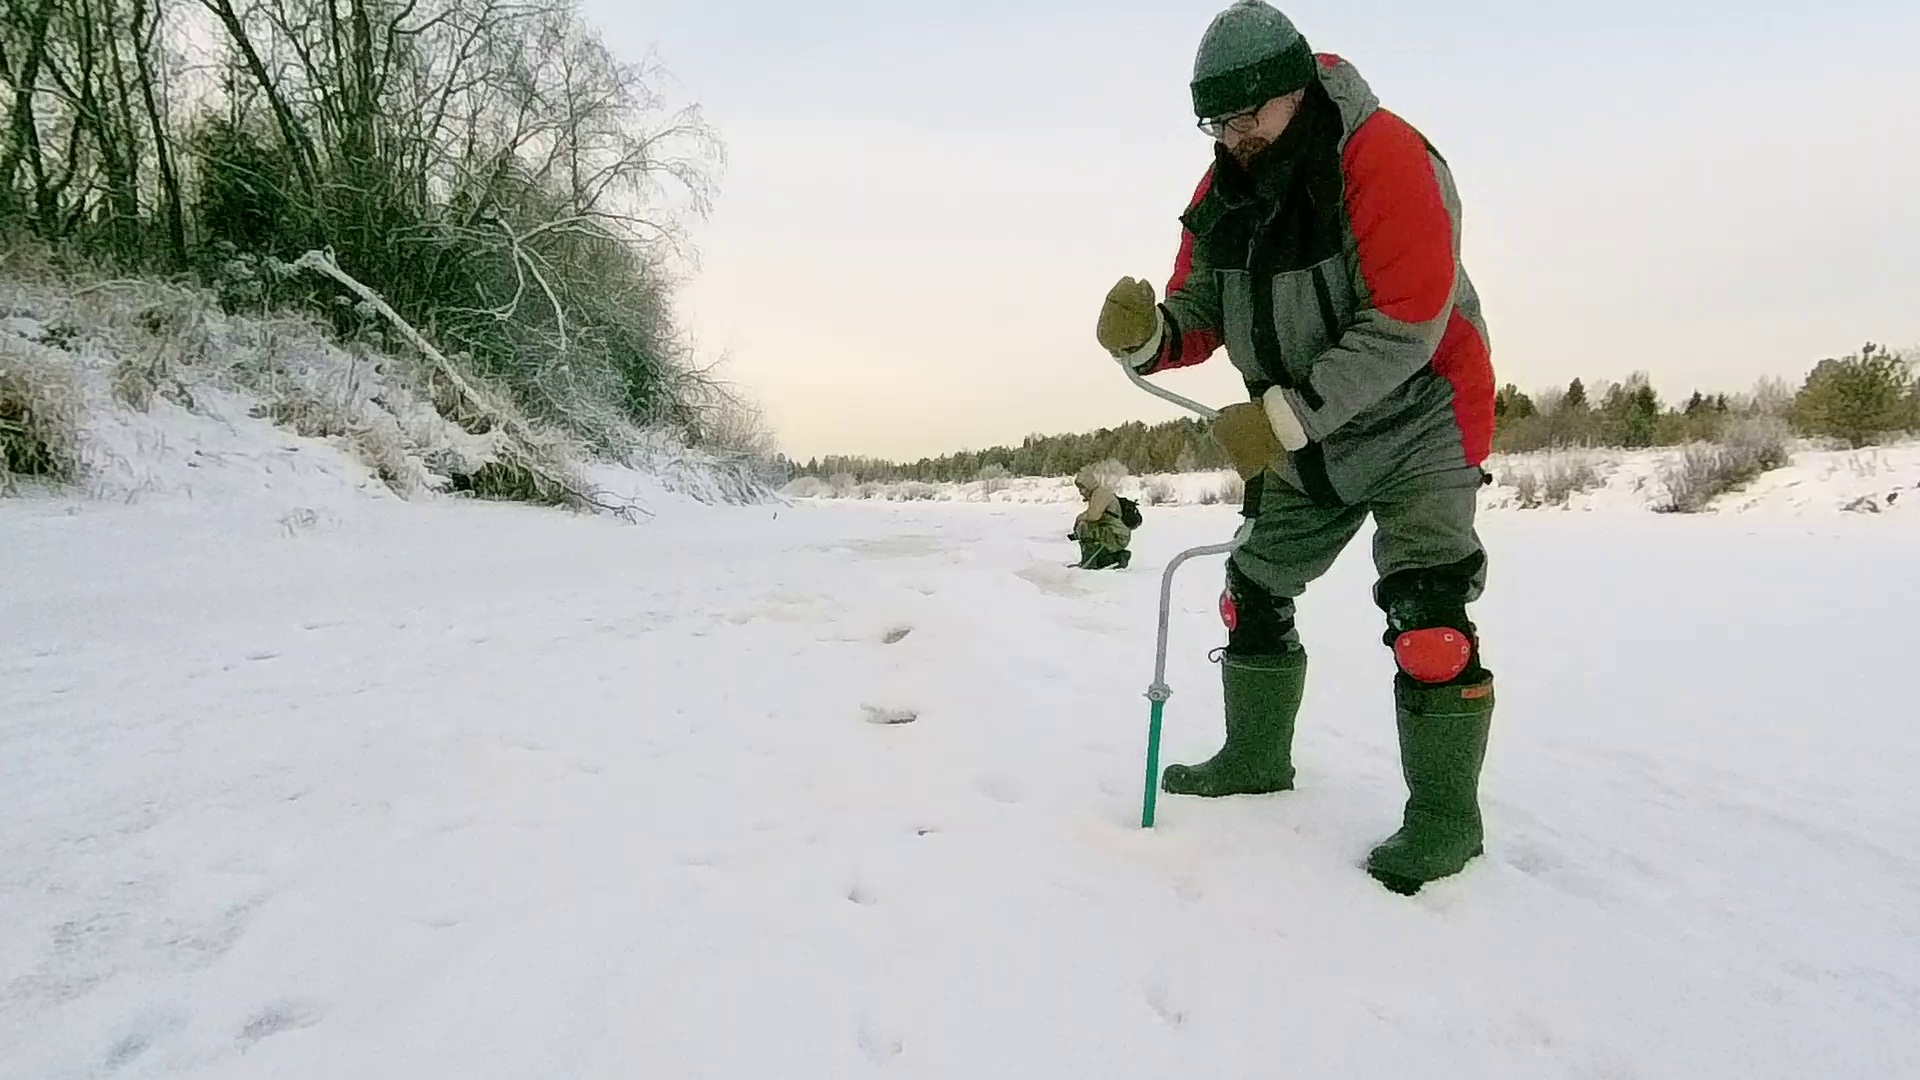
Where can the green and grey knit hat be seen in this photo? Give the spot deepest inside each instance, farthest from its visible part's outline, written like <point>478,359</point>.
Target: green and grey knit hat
<point>1250,55</point>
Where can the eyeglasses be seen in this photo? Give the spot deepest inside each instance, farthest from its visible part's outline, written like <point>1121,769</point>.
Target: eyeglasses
<point>1240,122</point>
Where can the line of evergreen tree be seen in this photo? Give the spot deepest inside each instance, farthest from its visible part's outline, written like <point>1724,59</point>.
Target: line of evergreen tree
<point>1858,399</point>
<point>1174,446</point>
<point>1865,397</point>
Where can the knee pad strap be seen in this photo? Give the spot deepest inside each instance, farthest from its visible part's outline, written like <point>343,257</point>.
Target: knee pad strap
<point>1258,624</point>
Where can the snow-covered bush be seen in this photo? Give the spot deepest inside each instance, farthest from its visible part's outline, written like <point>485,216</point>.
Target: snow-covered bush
<point>1550,478</point>
<point>993,479</point>
<point>700,472</point>
<point>39,414</point>
<point>809,487</point>
<point>1703,472</point>
<point>1231,490</point>
<point>1764,441</point>
<point>1567,475</point>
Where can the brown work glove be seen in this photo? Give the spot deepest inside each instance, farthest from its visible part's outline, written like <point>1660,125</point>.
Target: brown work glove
<point>1128,318</point>
<point>1243,432</point>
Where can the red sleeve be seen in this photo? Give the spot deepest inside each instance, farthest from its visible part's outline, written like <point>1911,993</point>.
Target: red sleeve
<point>1186,347</point>
<point>1183,262</point>
<point>1399,219</point>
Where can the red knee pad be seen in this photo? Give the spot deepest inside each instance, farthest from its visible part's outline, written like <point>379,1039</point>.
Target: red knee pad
<point>1229,614</point>
<point>1434,655</point>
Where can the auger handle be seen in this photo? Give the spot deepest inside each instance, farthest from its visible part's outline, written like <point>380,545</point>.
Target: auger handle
<point>1164,394</point>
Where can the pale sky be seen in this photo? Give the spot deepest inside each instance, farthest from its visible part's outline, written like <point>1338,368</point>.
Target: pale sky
<point>924,204</point>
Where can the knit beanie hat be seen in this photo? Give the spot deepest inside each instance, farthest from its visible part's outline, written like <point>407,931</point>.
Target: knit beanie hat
<point>1250,54</point>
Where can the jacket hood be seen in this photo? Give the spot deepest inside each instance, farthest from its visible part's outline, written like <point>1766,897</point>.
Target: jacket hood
<point>1349,91</point>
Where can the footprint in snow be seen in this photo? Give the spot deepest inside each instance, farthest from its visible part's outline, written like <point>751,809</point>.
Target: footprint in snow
<point>1162,1004</point>
<point>127,1049</point>
<point>281,1016</point>
<point>1534,859</point>
<point>1550,868</point>
<point>890,715</point>
<point>140,1039</point>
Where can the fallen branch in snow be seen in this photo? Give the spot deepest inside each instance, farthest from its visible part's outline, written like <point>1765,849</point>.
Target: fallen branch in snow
<point>322,262</point>
<point>531,465</point>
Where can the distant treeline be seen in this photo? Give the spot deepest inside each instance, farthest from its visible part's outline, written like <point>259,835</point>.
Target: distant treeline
<point>1859,399</point>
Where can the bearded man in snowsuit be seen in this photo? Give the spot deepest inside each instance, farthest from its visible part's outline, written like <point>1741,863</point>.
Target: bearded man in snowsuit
<point>1322,249</point>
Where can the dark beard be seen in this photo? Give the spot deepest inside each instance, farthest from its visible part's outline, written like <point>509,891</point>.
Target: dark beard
<point>1250,148</point>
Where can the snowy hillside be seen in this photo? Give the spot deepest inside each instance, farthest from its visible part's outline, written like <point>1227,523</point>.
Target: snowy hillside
<point>154,391</point>
<point>1817,481</point>
<point>308,781</point>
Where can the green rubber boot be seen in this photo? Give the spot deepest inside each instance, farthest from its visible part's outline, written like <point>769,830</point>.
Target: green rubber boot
<point>1262,696</point>
<point>1443,742</point>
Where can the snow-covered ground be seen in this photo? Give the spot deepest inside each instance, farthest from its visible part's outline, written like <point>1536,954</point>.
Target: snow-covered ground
<point>304,782</point>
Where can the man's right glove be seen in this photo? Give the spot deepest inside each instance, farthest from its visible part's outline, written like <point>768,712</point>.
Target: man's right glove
<point>1129,320</point>
<point>1244,432</point>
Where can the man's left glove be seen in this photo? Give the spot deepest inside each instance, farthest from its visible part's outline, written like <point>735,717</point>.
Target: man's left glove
<point>1244,432</point>
<point>1129,322</point>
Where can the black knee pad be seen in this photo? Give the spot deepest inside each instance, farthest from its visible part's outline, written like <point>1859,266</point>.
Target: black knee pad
<point>1432,639</point>
<point>1258,623</point>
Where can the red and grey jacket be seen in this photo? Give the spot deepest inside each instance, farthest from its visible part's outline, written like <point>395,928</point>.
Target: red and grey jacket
<point>1331,272</point>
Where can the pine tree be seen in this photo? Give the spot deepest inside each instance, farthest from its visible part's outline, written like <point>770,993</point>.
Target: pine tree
<point>1857,398</point>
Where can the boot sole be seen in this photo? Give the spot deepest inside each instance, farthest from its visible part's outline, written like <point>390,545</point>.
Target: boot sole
<point>1394,883</point>
<point>1407,886</point>
<point>1226,794</point>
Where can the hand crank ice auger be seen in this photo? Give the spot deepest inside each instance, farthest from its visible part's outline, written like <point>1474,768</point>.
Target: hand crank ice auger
<point>1159,691</point>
